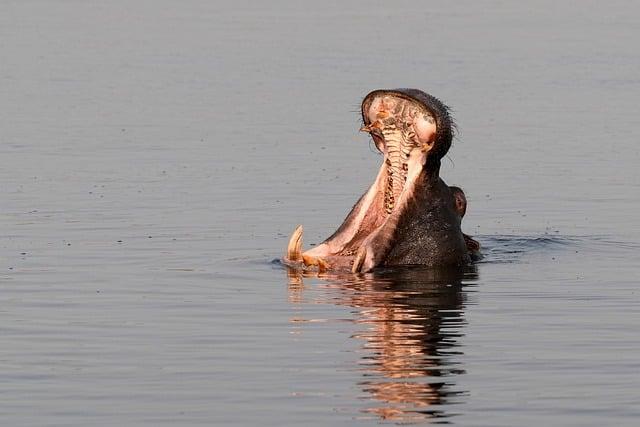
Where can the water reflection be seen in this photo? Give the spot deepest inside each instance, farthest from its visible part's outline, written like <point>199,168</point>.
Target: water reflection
<point>412,321</point>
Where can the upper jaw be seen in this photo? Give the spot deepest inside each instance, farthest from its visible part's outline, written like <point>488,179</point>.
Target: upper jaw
<point>392,117</point>
<point>439,111</point>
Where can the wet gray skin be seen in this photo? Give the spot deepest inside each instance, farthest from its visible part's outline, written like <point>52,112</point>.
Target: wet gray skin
<point>409,216</point>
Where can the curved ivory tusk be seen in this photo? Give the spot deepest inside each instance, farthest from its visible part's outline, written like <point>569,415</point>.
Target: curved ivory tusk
<point>294,248</point>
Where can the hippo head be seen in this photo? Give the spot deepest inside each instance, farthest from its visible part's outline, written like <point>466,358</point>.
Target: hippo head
<point>408,216</point>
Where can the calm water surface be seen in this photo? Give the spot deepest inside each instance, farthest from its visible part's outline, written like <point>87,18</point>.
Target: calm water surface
<point>156,156</point>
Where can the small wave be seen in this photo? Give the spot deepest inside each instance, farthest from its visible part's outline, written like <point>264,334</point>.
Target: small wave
<point>511,248</point>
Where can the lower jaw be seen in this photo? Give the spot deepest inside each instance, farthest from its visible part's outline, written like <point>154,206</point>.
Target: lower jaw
<point>387,201</point>
<point>370,219</point>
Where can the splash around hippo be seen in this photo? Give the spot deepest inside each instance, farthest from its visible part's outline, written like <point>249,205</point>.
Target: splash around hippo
<point>409,216</point>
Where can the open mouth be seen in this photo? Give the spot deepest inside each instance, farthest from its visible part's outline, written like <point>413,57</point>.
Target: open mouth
<point>403,130</point>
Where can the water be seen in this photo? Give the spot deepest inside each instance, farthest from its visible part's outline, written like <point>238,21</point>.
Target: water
<point>156,156</point>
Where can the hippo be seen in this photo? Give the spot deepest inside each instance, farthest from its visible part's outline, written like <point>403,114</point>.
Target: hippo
<point>408,216</point>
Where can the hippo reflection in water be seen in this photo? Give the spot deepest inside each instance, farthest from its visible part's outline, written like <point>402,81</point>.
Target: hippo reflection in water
<point>409,216</point>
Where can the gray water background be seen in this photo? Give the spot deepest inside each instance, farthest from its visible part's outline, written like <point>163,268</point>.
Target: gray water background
<point>156,155</point>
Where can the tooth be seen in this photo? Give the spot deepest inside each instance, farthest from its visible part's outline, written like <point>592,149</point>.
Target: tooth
<point>359,260</point>
<point>311,261</point>
<point>294,248</point>
<point>323,266</point>
<point>375,125</point>
<point>308,260</point>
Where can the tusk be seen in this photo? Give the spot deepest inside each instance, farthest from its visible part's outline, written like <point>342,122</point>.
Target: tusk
<point>359,260</point>
<point>426,147</point>
<point>373,126</point>
<point>294,249</point>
